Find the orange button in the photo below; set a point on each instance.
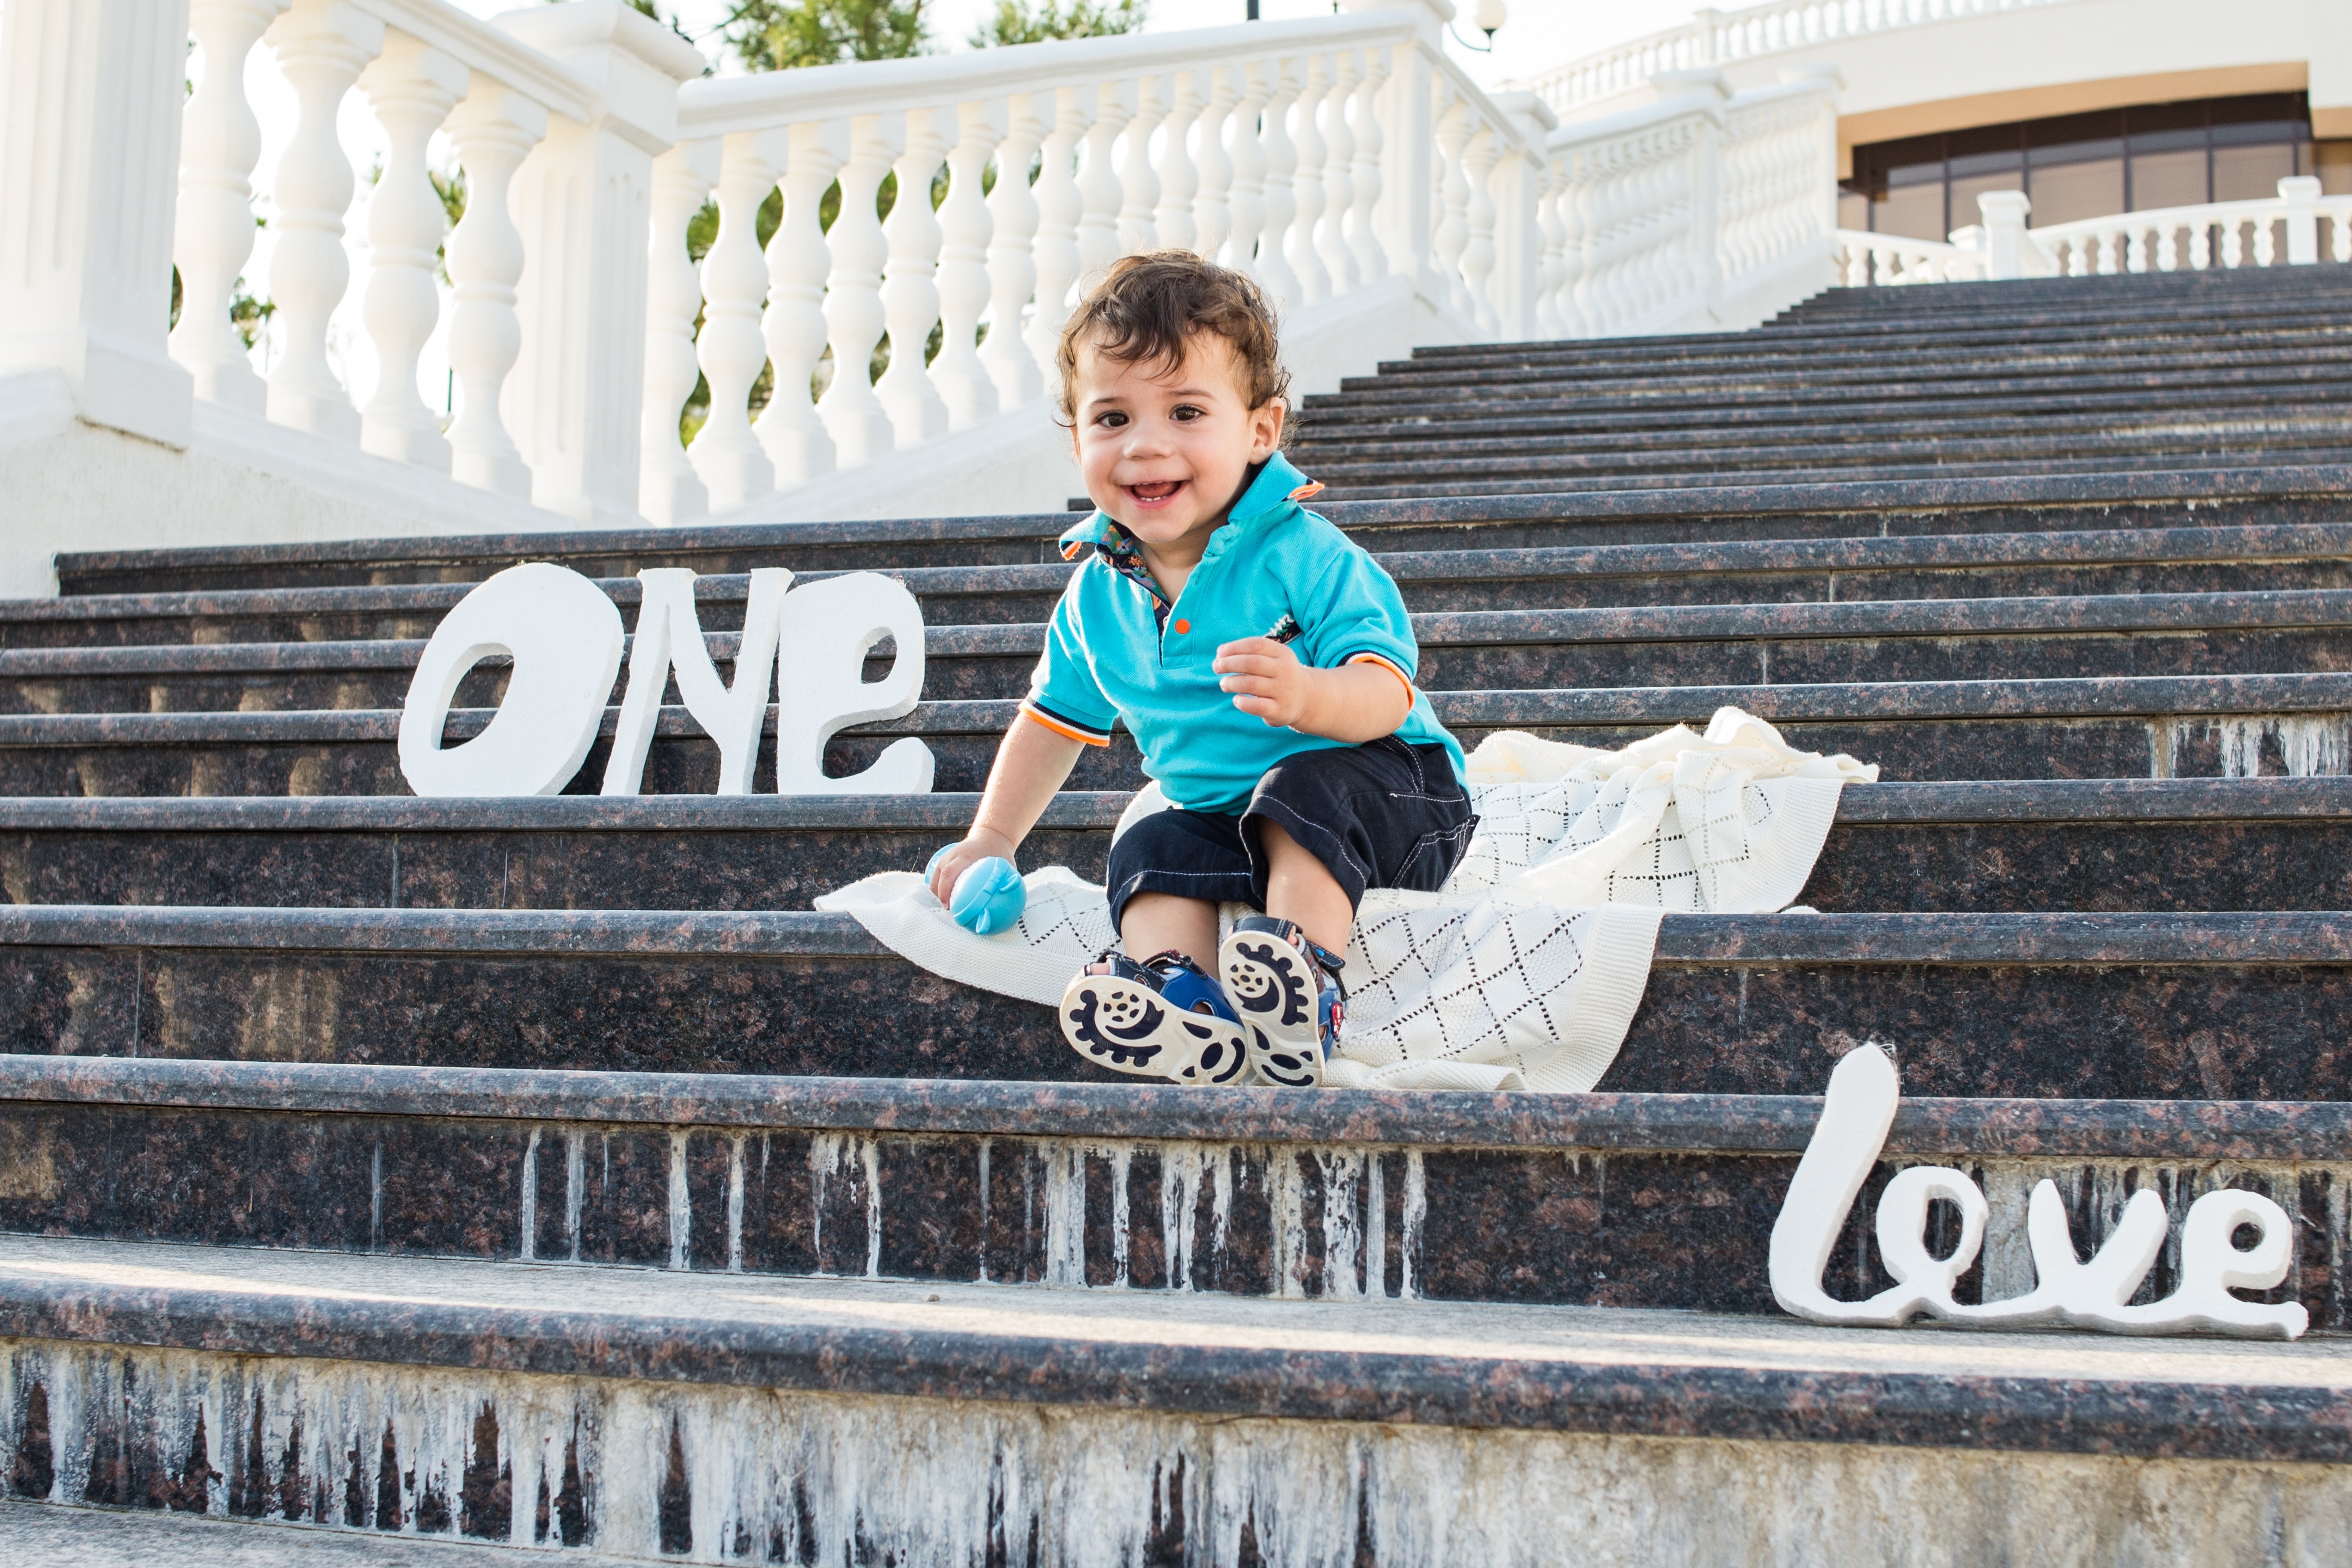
(1183, 627)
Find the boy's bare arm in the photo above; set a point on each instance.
(1031, 765)
(1355, 703)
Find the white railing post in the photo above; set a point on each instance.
(493, 130)
(730, 458)
(1281, 189)
(790, 430)
(1059, 203)
(959, 374)
(1245, 150)
(1179, 176)
(1521, 182)
(2005, 237)
(1013, 363)
(1408, 213)
(910, 291)
(1139, 181)
(412, 87)
(88, 144)
(668, 490)
(1363, 230)
(1099, 195)
(2301, 195)
(1339, 183)
(583, 199)
(1212, 213)
(220, 142)
(853, 292)
(321, 46)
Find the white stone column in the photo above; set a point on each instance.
(220, 142)
(412, 89)
(668, 490)
(493, 129)
(90, 93)
(583, 203)
(1521, 184)
(321, 46)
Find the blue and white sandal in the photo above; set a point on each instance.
(1288, 992)
(1160, 1018)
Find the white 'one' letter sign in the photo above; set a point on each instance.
(1855, 1116)
(564, 635)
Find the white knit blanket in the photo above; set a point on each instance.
(1525, 971)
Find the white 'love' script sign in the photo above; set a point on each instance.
(565, 638)
(1844, 1147)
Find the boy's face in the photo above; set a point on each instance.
(1164, 451)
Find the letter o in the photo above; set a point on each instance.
(565, 638)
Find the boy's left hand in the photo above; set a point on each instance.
(1266, 680)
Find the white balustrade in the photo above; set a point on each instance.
(1720, 37)
(1326, 156)
(2283, 231)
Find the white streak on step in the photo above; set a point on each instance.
(1343, 1232)
(985, 1145)
(735, 1204)
(1066, 1213)
(2310, 745)
(575, 1187)
(681, 1201)
(527, 1202)
(1376, 1226)
(1416, 1213)
(1122, 1158)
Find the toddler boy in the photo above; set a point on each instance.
(1263, 664)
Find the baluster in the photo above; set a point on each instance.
(962, 380)
(321, 46)
(1307, 183)
(1058, 206)
(910, 294)
(793, 329)
(2136, 249)
(1551, 188)
(1247, 198)
(1179, 178)
(2233, 243)
(2265, 242)
(1339, 175)
(1011, 265)
(2339, 235)
(1138, 227)
(668, 491)
(2200, 247)
(1452, 237)
(1212, 216)
(1478, 254)
(853, 294)
(728, 456)
(493, 129)
(220, 142)
(1099, 186)
(412, 88)
(1281, 194)
(2168, 248)
(1363, 211)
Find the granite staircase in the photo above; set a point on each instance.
(546, 1172)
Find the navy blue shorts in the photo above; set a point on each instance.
(1381, 815)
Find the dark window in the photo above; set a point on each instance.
(2090, 165)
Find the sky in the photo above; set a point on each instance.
(1537, 36)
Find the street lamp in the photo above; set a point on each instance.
(1490, 16)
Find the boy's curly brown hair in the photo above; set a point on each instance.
(1149, 306)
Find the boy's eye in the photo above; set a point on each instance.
(1110, 419)
(1185, 413)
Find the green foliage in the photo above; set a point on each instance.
(1017, 23)
(782, 35)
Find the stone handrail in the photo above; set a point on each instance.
(2226, 235)
(1713, 38)
(1381, 199)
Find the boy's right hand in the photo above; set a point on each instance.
(980, 844)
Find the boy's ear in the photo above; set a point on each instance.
(1265, 429)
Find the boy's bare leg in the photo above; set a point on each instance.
(1154, 922)
(1301, 889)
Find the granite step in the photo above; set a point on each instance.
(2067, 636)
(2033, 1005)
(141, 1533)
(2115, 727)
(1627, 1200)
(2182, 558)
(2235, 495)
(2044, 844)
(679, 1415)
(1340, 425)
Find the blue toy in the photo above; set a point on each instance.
(988, 897)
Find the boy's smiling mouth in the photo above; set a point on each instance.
(1158, 492)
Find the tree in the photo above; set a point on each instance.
(781, 34)
(1015, 23)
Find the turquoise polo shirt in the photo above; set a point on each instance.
(1116, 655)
